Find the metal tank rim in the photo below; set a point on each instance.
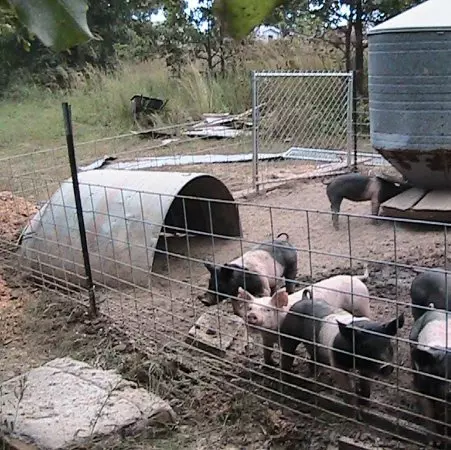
(432, 16)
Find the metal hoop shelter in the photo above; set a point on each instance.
(125, 213)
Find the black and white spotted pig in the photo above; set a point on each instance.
(338, 335)
(267, 313)
(430, 352)
(358, 188)
(258, 270)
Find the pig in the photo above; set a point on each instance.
(430, 354)
(334, 331)
(257, 270)
(268, 313)
(358, 188)
(430, 288)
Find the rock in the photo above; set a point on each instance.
(120, 347)
(15, 294)
(67, 402)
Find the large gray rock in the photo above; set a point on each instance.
(67, 402)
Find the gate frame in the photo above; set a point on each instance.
(350, 111)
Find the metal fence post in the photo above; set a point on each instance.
(350, 117)
(255, 118)
(355, 116)
(67, 116)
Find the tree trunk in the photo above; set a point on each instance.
(222, 52)
(359, 58)
(348, 48)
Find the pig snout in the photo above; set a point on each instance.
(253, 319)
(208, 299)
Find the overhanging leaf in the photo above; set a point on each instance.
(59, 24)
(240, 17)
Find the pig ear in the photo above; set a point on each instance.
(244, 295)
(345, 331)
(280, 298)
(423, 357)
(210, 267)
(392, 327)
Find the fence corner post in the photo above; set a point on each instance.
(355, 116)
(67, 117)
(255, 119)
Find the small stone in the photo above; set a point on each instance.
(15, 294)
(120, 348)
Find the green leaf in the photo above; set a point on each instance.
(59, 24)
(239, 17)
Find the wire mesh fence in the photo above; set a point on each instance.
(306, 116)
(167, 266)
(151, 278)
(167, 148)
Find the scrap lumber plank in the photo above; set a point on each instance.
(213, 333)
(406, 200)
(439, 200)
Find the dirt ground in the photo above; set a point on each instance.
(210, 396)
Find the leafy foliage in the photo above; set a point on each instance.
(123, 31)
(238, 18)
(58, 24)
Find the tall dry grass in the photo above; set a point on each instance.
(31, 117)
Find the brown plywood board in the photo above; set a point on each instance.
(406, 200)
(214, 331)
(439, 200)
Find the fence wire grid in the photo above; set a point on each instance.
(302, 114)
(155, 292)
(315, 119)
(151, 280)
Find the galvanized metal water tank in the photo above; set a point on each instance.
(409, 67)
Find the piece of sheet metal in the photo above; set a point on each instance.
(124, 212)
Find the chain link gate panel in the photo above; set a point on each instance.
(302, 116)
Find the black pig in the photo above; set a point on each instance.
(257, 270)
(358, 188)
(335, 330)
(430, 288)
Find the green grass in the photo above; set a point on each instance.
(31, 116)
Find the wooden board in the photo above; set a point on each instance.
(215, 331)
(435, 201)
(416, 204)
(405, 200)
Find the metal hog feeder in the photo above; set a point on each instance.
(409, 66)
(124, 214)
